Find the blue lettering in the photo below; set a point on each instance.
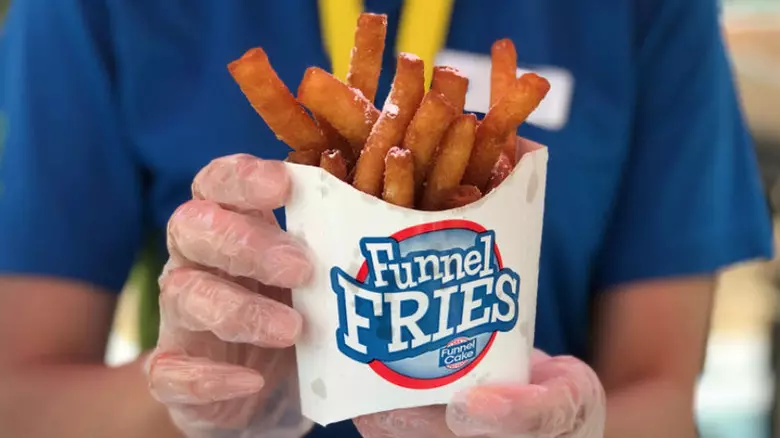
(462, 352)
(420, 301)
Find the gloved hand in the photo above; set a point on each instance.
(564, 400)
(224, 365)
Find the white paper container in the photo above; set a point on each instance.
(333, 218)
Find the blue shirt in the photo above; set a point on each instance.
(113, 106)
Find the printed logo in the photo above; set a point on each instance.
(458, 353)
(425, 306)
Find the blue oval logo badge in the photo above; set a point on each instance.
(426, 304)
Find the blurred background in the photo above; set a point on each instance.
(738, 393)
(737, 396)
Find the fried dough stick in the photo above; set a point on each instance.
(333, 162)
(399, 109)
(451, 160)
(426, 130)
(452, 84)
(459, 196)
(503, 72)
(365, 64)
(502, 119)
(308, 157)
(501, 170)
(274, 102)
(344, 108)
(503, 69)
(399, 178)
(335, 140)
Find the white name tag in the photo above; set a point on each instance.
(553, 112)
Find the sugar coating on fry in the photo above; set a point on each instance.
(426, 130)
(501, 170)
(450, 82)
(399, 178)
(308, 157)
(274, 102)
(405, 95)
(345, 108)
(451, 160)
(502, 118)
(365, 63)
(503, 72)
(333, 162)
(459, 196)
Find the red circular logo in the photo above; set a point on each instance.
(462, 367)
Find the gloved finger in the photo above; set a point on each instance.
(175, 379)
(218, 418)
(273, 412)
(240, 245)
(510, 410)
(199, 301)
(422, 422)
(184, 342)
(243, 182)
(537, 357)
(563, 395)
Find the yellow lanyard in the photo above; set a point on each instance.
(422, 30)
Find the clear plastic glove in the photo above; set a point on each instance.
(564, 400)
(224, 364)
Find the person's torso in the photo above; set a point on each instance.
(181, 108)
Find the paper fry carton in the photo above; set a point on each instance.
(408, 307)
